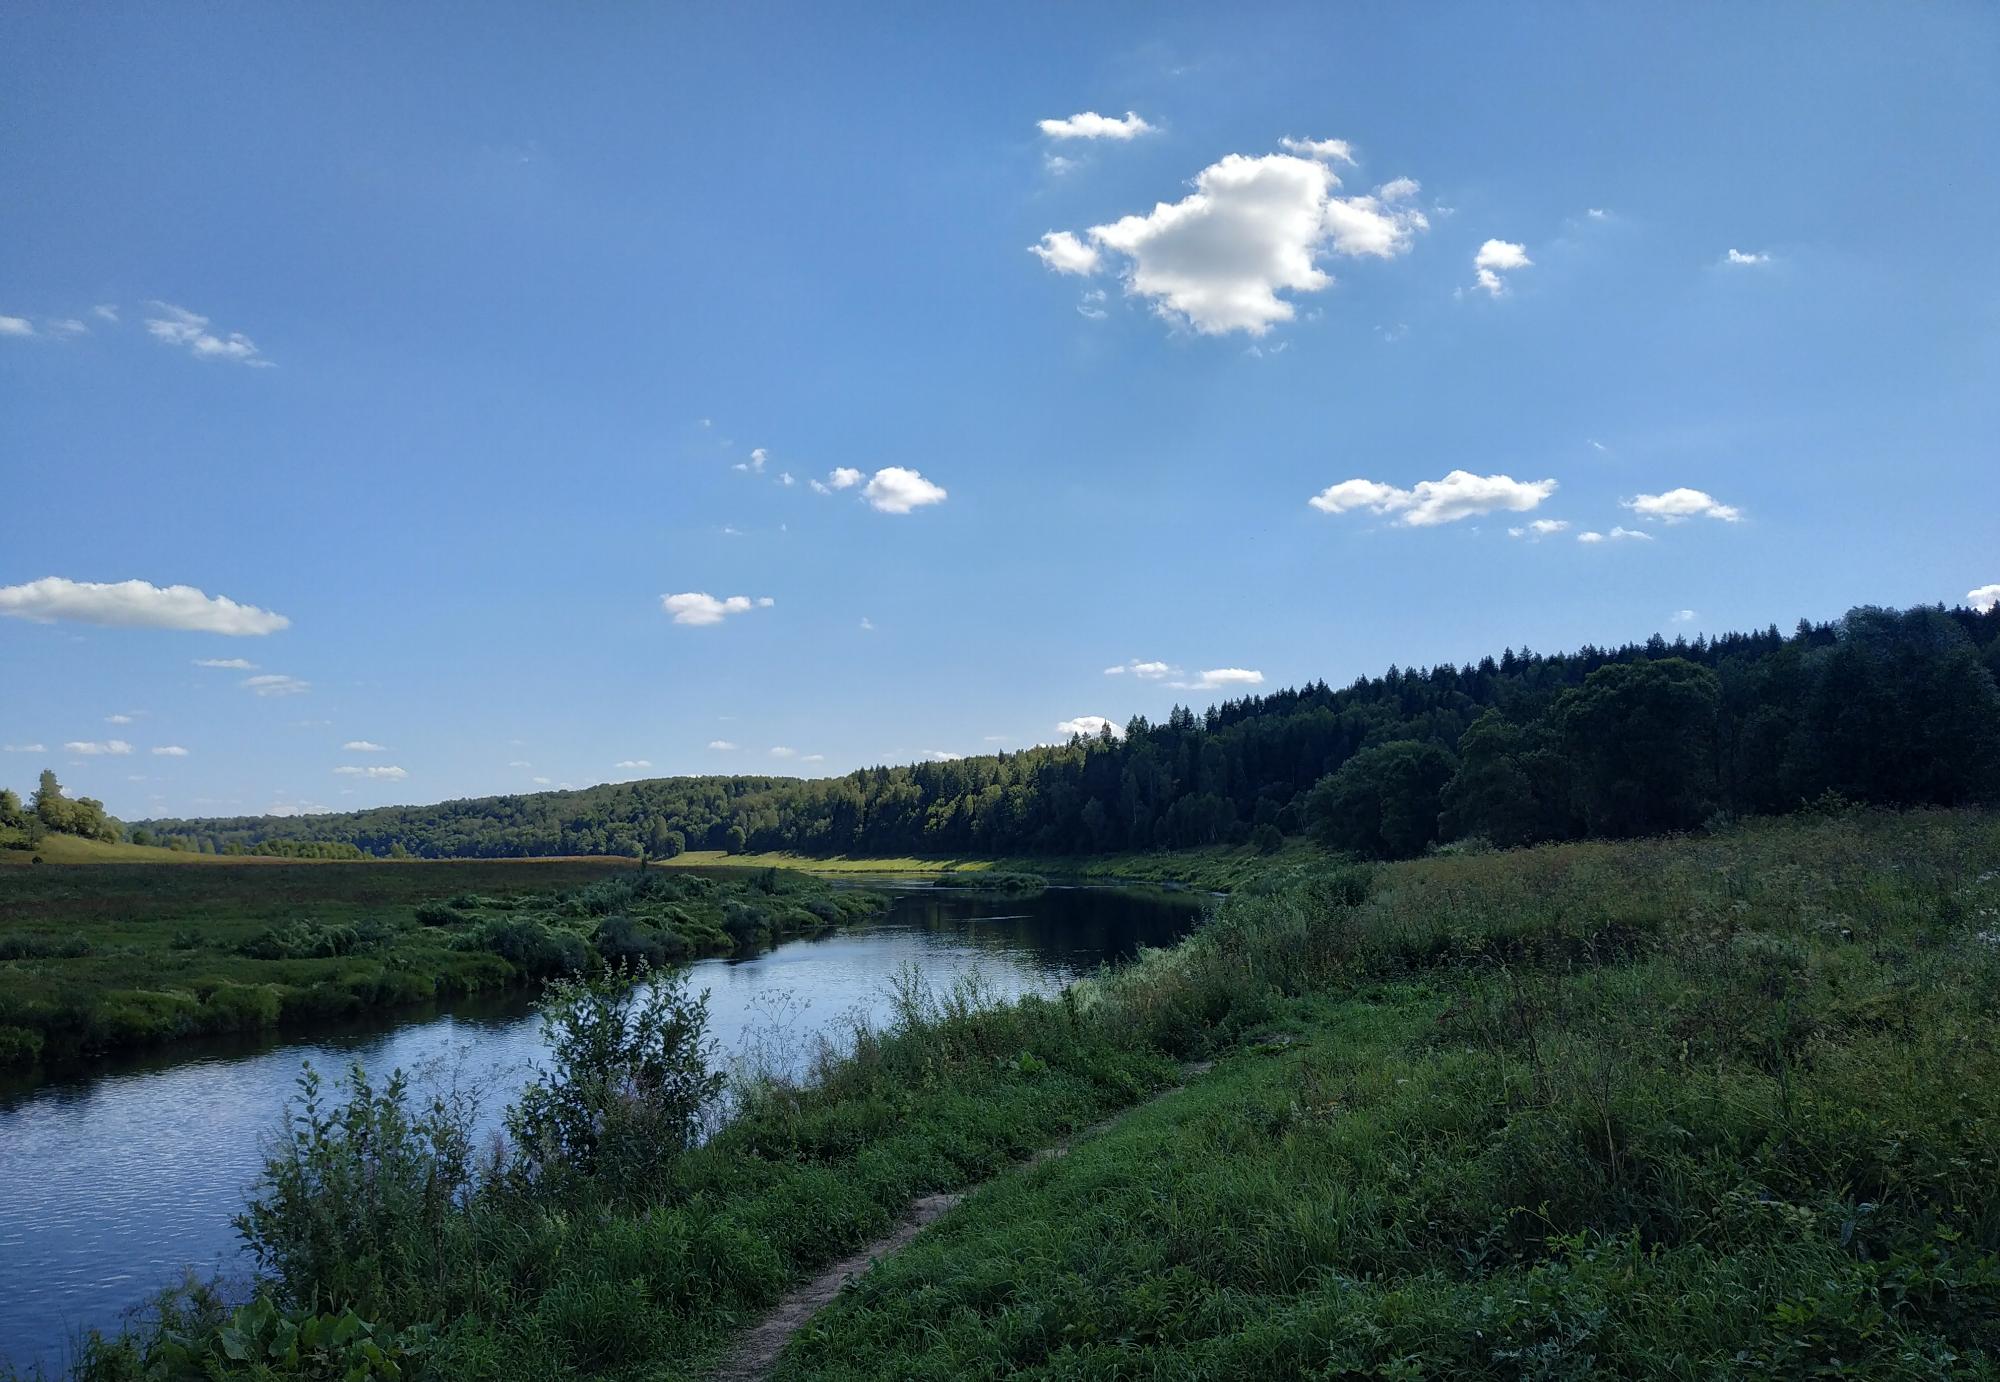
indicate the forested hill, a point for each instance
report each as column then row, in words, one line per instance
column 1882, row 706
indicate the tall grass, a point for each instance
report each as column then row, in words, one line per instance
column 1702, row 1107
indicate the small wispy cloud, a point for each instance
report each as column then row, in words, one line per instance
column 1219, row 679
column 1458, row 495
column 721, row 745
column 1745, row 259
column 699, row 609
column 364, row 746
column 169, row 751
column 277, row 684
column 1089, row 124
column 628, row 764
column 1496, row 257
column 176, row 326
column 1615, row 535
column 1679, row 505
column 383, row 773
column 1089, row 726
column 233, row 664
column 93, row 748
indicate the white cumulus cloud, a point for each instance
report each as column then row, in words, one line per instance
column 1496, row 257
column 1461, row 494
column 894, row 489
column 384, row 773
column 1089, row 124
column 136, row 605
column 1253, row 228
column 1743, row 259
column 1063, row 252
column 108, row 746
column 16, row 326
column 117, row 719
column 170, row 751
column 721, row 745
column 277, row 684
column 632, row 763
column 755, row 465
column 23, row 748
column 783, row 751
column 176, row 326
column 1984, row 598
column 843, row 477
column 1615, row 535
column 1147, row 671
column 1089, row 726
column 363, row 746
column 1679, row 505
column 698, row 608
column 1540, row 528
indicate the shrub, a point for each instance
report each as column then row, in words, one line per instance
column 35, row 946
column 19, row 1046
column 242, row 1007
column 530, row 946
column 355, row 1188
column 629, row 1079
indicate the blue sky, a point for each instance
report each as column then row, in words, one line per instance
column 449, row 343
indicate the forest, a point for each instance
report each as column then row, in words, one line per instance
column 1880, row 707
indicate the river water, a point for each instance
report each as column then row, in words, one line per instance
column 115, row 1179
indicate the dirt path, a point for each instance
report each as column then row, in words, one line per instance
column 756, row 1353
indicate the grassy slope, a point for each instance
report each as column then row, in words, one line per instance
column 70, row 849
column 1696, row 1108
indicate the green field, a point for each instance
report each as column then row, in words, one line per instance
column 1210, row 867
column 1720, row 1105
column 99, row 956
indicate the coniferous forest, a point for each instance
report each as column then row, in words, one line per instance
column 1881, row 707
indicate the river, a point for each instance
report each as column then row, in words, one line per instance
column 115, row 1178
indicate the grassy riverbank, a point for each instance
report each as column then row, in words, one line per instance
column 1684, row 1108
column 99, row 958
column 1710, row 1106
column 1210, row 868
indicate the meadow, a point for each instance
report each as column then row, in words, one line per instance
column 102, row 957
column 1714, row 1105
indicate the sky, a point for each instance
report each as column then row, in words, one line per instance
column 399, row 403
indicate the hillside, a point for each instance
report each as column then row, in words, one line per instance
column 1881, row 707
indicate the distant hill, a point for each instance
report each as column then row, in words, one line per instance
column 1882, row 706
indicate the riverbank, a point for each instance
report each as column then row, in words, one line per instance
column 1209, row 868
column 1665, row 1107
column 95, row 959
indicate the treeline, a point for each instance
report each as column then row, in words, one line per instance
column 1880, row 707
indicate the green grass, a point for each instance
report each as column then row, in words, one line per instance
column 100, row 957
column 73, row 849
column 1678, row 1109
column 1216, row 868
column 1695, row 1108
